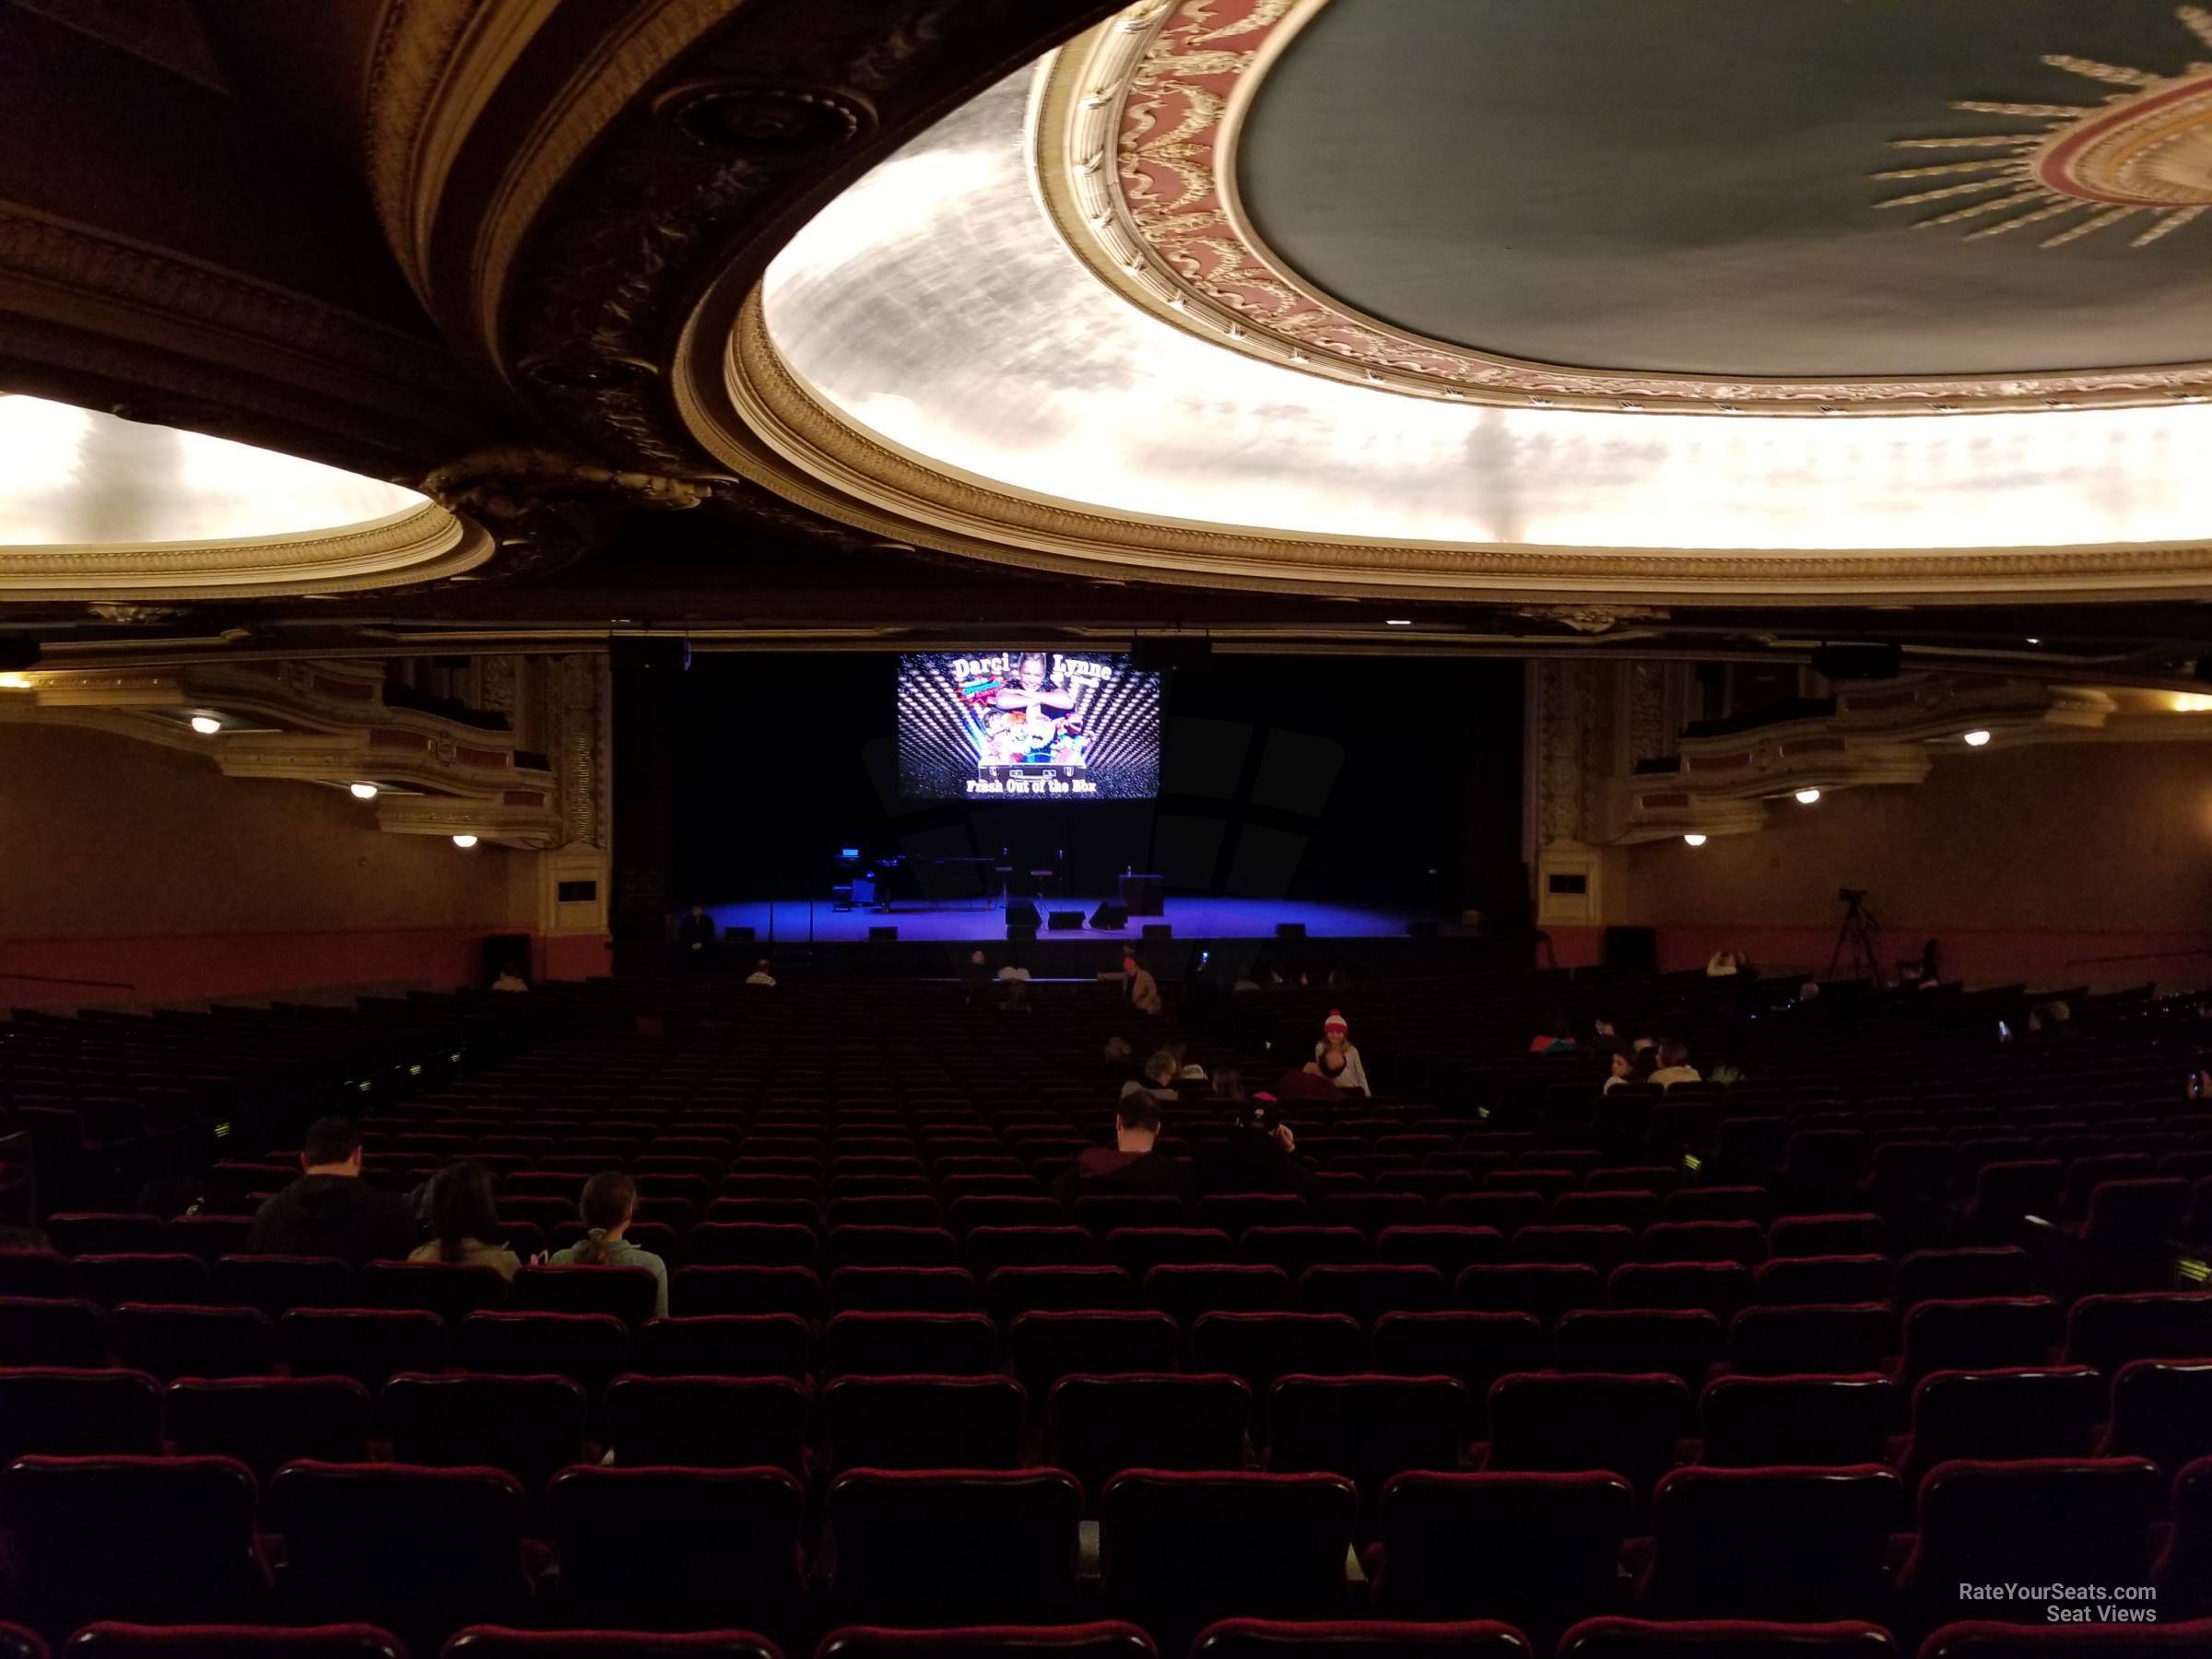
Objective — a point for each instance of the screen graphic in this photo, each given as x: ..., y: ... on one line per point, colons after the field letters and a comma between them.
x: 1027, y: 726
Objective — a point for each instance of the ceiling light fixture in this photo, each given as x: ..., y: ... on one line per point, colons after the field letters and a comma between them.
x: 1397, y: 621
x: 1695, y: 839
x: 363, y: 791
x: 464, y: 841
x: 1973, y: 739
x: 2034, y: 641
x: 1805, y: 798
x: 206, y: 726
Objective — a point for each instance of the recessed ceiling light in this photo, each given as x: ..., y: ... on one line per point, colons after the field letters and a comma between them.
x: 1973, y: 739
x: 464, y: 840
x: 2035, y: 642
x: 1397, y: 621
x: 363, y: 791
x: 1695, y: 839
x: 1805, y: 798
x: 206, y: 726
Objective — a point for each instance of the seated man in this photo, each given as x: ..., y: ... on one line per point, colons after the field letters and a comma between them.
x: 330, y: 1211
x: 1257, y: 1158
x: 1133, y: 1164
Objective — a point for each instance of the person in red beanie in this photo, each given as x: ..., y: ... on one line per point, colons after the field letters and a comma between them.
x: 1345, y: 1069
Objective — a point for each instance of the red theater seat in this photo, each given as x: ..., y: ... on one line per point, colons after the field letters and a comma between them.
x: 1259, y: 1347
x: 278, y: 1284
x: 1187, y: 1292
x: 1367, y: 1428
x: 1544, y: 1290
x: 2183, y: 1574
x: 1715, y: 1288
x: 1048, y: 1346
x: 923, y: 1422
x: 726, y: 1345
x: 2162, y: 1410
x: 264, y: 1422
x: 1985, y: 1639
x: 1723, y: 1639
x: 2108, y: 1331
x: 528, y: 1426
x: 694, y: 1291
x: 138, y: 1538
x: 114, y: 1640
x: 678, y: 1549
x: 1357, y: 1638
x: 630, y: 1294
x: 172, y: 1341
x: 1626, y: 1424
x: 1013, y: 1291
x: 1836, y: 1279
x: 418, y: 1551
x: 1477, y: 1348
x: 1295, y: 1249
x: 1750, y: 1420
x: 498, y: 1642
x: 1179, y: 1551
x: 1979, y: 1334
x: 1540, y: 1550
x: 1811, y: 1338
x: 1782, y: 1542
x: 1103, y: 1640
x: 1368, y: 1290
x: 954, y: 1546
x: 63, y: 1412
x: 711, y: 1422
x: 1682, y: 1342
x: 369, y: 1344
x: 1101, y: 1425
x: 2028, y: 1411
x: 36, y: 1330
x: 954, y: 1345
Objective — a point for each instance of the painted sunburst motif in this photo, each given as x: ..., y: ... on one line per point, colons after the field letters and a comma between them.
x: 2145, y: 150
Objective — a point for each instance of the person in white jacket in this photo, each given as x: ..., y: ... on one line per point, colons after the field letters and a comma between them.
x: 1336, y: 1038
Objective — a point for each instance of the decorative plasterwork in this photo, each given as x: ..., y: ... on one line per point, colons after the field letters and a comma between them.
x: 323, y: 723
x: 1887, y: 733
x: 1136, y: 144
x: 428, y: 544
x: 2146, y: 149
x: 762, y: 420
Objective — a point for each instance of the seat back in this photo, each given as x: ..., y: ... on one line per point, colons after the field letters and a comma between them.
x: 2107, y: 1331
x: 1613, y: 1638
x: 1100, y: 1425
x: 264, y: 1422
x: 372, y: 1345
x: 1104, y: 1638
x: 420, y: 1551
x: 2025, y: 1411
x: 183, y: 1341
x: 528, y: 1426
x: 144, y: 1539
x: 39, y: 1330
x: 923, y: 1422
x: 952, y: 1344
x: 1259, y: 1347
x: 1978, y: 1333
x: 1528, y: 1547
x: 725, y: 1345
x: 1048, y: 1346
x: 1829, y: 1278
x: 2162, y: 1410
x: 61, y: 1411
x: 1179, y: 1550
x: 1477, y: 1348
x: 1357, y: 1639
x: 450, y: 1290
x: 707, y: 1422
x: 1580, y: 1421
x: 1811, y: 1338
x: 2069, y: 1521
x: 114, y: 1639
x: 954, y: 1546
x: 1822, y: 1419
x: 1782, y: 1542
x: 1545, y: 1290
x: 630, y: 1294
x: 1682, y: 1342
x: 678, y: 1549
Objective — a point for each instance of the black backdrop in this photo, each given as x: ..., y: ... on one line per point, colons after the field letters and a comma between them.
x: 1348, y: 778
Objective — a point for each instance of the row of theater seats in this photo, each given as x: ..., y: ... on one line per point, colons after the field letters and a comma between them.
x: 423, y: 1550
x: 1606, y: 1638
x: 533, y: 1408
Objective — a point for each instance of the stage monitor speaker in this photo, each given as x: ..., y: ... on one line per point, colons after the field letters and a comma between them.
x: 883, y: 935
x: 1110, y: 917
x: 1159, y: 930
x: 1019, y: 934
x: 1020, y: 913
x: 1633, y: 950
x: 1065, y: 920
x: 1858, y: 662
x: 1420, y: 928
x: 1290, y: 930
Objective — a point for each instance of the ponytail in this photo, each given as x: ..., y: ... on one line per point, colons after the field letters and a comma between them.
x: 609, y: 1199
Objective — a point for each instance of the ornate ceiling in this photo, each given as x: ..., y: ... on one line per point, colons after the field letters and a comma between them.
x: 1287, y: 320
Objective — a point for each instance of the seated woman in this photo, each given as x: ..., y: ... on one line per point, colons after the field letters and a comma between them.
x: 463, y: 1222
x: 610, y: 1201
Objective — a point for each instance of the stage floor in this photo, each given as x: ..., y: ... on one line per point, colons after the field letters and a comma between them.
x: 787, y: 921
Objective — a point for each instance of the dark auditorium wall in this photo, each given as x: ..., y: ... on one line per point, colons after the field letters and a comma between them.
x: 1280, y: 777
x: 2025, y: 861
x: 126, y: 861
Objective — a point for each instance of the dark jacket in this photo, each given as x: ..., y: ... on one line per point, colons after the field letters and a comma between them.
x: 1251, y: 1162
x: 334, y: 1216
x: 1107, y: 1171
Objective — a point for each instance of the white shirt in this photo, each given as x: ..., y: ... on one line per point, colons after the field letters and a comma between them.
x: 1676, y: 1074
x: 760, y: 976
x: 1011, y: 972
x: 1354, y: 1075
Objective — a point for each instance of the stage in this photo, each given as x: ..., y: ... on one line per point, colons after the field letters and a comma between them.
x: 788, y: 922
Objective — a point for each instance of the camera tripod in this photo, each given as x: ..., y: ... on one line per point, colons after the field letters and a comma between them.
x: 1856, y: 945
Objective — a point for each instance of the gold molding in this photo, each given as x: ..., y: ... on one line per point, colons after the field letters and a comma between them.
x: 423, y: 544
x: 1207, y: 272
x: 761, y: 420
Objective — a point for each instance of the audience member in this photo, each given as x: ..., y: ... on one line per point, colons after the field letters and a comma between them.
x: 464, y: 1222
x: 760, y: 975
x: 1623, y: 1070
x: 1336, y: 1039
x: 1673, y: 1065
x: 1158, y: 1080
x: 1256, y: 1157
x: 1227, y: 1084
x: 1011, y: 972
x: 509, y: 980
x: 611, y: 1201
x: 1143, y: 988
x: 1315, y: 1080
x: 695, y: 937
x: 1133, y: 1164
x: 330, y: 1211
